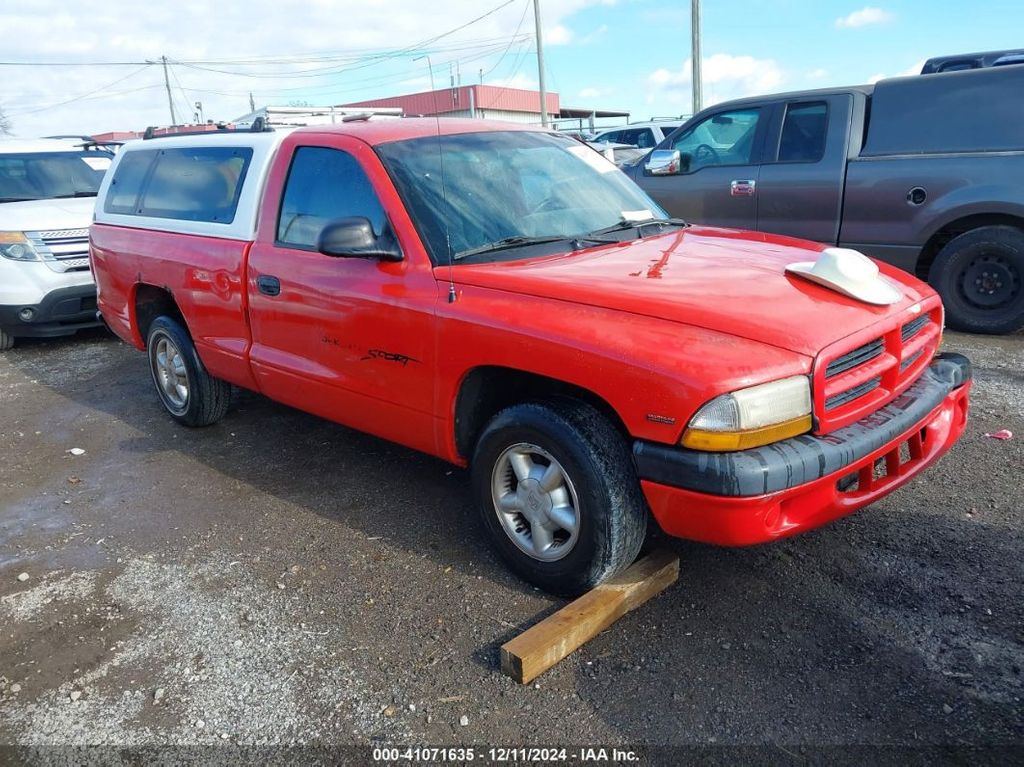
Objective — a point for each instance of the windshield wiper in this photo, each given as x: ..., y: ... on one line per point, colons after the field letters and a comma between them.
x: 18, y: 199
x: 625, y: 224
x: 73, y: 194
x: 520, y: 241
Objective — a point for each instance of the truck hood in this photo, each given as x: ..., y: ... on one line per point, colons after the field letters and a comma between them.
x: 719, y: 279
x: 42, y: 215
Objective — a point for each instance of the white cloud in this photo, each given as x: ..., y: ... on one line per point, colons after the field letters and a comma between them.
x: 595, y: 36
x: 864, y: 17
x: 593, y: 93
x: 913, y: 69
x: 517, y: 81
x: 817, y: 74
x: 80, y: 32
x: 557, y: 35
x: 724, y: 77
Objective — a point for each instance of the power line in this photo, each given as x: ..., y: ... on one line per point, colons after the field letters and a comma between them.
x: 363, y: 83
x: 352, y: 54
x: 526, y: 8
x: 502, y: 89
x: 188, y: 102
x: 71, y: 63
x: 484, y: 47
x: 82, y: 96
x: 341, y: 69
x: 33, y: 108
x: 368, y: 56
x: 383, y: 52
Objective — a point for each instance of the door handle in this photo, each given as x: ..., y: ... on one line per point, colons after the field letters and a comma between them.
x: 742, y: 187
x: 268, y: 286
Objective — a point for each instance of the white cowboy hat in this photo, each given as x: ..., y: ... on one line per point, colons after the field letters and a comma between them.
x: 850, y: 273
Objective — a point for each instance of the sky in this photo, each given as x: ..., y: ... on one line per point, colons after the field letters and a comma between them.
x: 86, y: 62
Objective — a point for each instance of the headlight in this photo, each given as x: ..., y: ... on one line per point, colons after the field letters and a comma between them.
x: 16, y: 246
x: 752, y: 417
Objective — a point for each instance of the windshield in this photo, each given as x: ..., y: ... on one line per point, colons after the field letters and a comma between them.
x: 508, y: 186
x: 47, y: 175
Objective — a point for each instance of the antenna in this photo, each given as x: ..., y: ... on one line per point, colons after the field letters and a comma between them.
x: 444, y: 191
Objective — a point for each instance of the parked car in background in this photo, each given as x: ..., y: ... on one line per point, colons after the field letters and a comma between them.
x: 922, y: 172
x: 580, y: 135
x: 643, y: 135
x: 501, y: 297
x: 962, y: 61
x: 47, y: 192
x: 620, y: 154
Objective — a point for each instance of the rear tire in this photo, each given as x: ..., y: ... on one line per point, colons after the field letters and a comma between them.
x: 6, y: 341
x: 188, y: 392
x: 558, y: 495
x: 980, y: 276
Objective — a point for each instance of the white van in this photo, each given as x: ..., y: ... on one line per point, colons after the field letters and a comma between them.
x: 642, y: 135
x: 47, y: 192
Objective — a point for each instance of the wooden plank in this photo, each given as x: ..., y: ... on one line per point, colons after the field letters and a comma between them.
x: 542, y: 646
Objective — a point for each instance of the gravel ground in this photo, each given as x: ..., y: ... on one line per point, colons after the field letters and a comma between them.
x: 277, y: 579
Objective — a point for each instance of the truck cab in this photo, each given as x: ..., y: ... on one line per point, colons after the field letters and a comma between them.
x: 47, y: 192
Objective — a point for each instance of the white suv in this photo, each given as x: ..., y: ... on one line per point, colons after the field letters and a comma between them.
x: 47, y: 192
x: 642, y: 135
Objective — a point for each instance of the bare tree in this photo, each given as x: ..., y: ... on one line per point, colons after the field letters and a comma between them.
x: 5, y: 123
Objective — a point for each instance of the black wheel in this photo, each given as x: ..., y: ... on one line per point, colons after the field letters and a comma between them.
x: 980, y: 276
x: 190, y: 394
x: 6, y: 341
x: 558, y: 495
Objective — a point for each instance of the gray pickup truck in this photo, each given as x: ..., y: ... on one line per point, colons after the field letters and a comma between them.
x: 924, y: 172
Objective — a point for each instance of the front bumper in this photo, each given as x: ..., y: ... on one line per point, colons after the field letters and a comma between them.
x: 61, y: 312
x: 757, y: 495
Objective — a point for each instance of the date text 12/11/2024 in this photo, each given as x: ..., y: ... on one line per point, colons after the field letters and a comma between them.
x: 504, y: 754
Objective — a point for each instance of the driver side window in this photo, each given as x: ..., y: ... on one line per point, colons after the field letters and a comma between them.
x: 726, y: 138
x: 323, y: 185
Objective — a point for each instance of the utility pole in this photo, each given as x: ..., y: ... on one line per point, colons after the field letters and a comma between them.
x: 698, y: 96
x: 167, y: 82
x: 540, y: 66
x: 252, y: 103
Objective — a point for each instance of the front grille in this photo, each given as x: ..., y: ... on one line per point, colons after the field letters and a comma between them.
x: 889, y: 468
x: 858, y: 356
x: 63, y: 234
x: 853, y: 379
x: 911, y: 360
x: 851, y: 394
x: 68, y: 249
x: 910, y: 330
x: 73, y: 243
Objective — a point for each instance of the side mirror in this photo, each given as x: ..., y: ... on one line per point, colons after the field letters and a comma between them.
x: 353, y: 237
x: 663, y: 162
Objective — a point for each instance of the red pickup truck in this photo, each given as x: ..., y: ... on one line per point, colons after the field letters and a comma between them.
x: 504, y: 298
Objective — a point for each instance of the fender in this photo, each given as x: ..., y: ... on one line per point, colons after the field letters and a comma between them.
x: 996, y: 200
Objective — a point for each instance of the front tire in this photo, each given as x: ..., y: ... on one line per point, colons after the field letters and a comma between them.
x: 188, y: 392
x: 980, y: 276
x: 558, y: 495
